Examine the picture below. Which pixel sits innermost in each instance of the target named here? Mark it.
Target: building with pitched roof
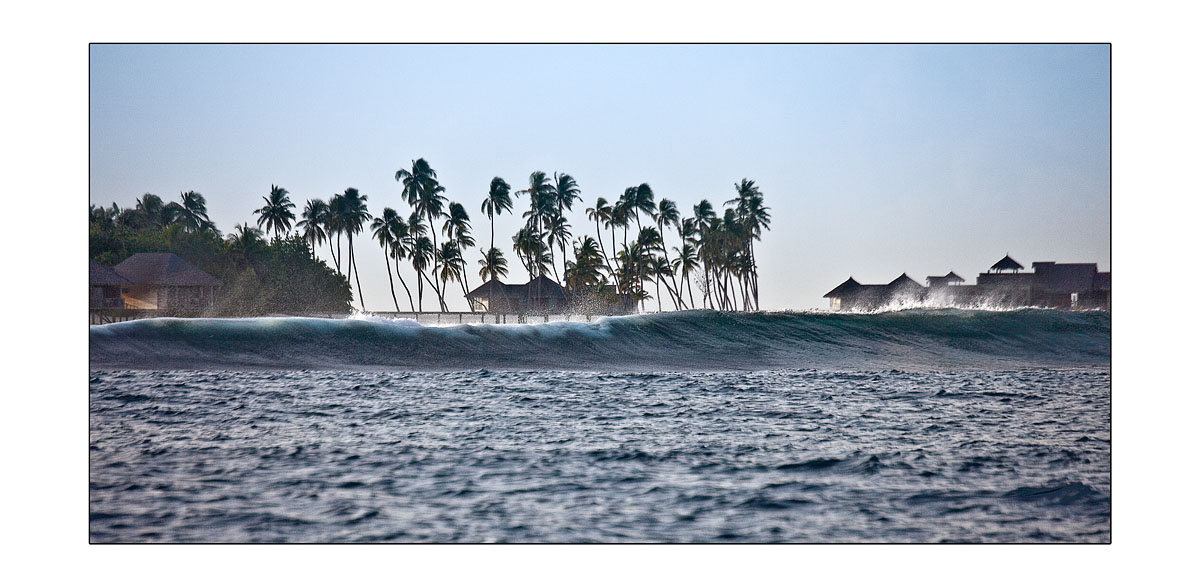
(105, 287)
(1049, 285)
(167, 283)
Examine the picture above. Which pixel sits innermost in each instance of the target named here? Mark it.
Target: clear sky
(874, 159)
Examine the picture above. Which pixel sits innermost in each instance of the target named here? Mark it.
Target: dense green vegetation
(716, 251)
(260, 277)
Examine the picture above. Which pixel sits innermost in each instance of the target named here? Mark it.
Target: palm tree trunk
(420, 292)
(354, 266)
(406, 290)
(338, 260)
(433, 233)
(391, 284)
(691, 300)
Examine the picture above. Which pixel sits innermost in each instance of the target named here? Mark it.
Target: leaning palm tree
(353, 215)
(312, 224)
(381, 228)
(276, 214)
(497, 201)
(335, 225)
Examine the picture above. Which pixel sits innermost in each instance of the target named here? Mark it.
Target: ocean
(911, 426)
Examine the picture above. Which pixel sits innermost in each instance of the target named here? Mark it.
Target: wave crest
(678, 340)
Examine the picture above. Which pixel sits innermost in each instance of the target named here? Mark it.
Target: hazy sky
(874, 159)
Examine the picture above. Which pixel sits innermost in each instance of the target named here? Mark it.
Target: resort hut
(948, 279)
(492, 296)
(839, 295)
(165, 282)
(105, 287)
(1006, 264)
(543, 294)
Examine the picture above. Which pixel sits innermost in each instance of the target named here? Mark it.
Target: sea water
(912, 426)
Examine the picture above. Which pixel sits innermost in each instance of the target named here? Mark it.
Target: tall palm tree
(705, 217)
(754, 218)
(566, 193)
(542, 201)
(402, 242)
(452, 265)
(424, 194)
(497, 201)
(558, 230)
(458, 228)
(381, 228)
(312, 224)
(602, 212)
(335, 225)
(353, 215)
(666, 214)
(421, 254)
(643, 201)
(686, 263)
(276, 214)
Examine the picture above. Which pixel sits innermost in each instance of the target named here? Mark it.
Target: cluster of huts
(1051, 285)
(161, 282)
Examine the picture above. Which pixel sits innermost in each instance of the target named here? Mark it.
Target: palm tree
(335, 224)
(542, 201)
(452, 265)
(705, 217)
(566, 193)
(354, 214)
(686, 263)
(276, 214)
(402, 242)
(151, 212)
(244, 241)
(381, 228)
(193, 212)
(584, 273)
(557, 229)
(492, 264)
(642, 201)
(666, 214)
(421, 254)
(602, 212)
(753, 218)
(458, 228)
(312, 224)
(496, 202)
(424, 194)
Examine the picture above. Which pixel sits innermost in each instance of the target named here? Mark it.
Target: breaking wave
(693, 340)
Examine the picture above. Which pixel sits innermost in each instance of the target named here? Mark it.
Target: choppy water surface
(775, 454)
